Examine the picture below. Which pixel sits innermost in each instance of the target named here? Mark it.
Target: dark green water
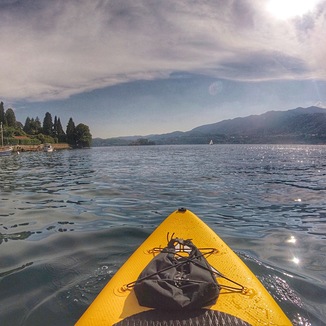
(68, 220)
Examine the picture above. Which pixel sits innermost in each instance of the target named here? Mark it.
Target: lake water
(69, 219)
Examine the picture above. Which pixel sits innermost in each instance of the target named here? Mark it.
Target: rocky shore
(39, 148)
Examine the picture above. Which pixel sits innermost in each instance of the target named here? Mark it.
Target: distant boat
(4, 150)
(48, 148)
(211, 142)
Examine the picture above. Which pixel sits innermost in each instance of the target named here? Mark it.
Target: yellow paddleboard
(253, 304)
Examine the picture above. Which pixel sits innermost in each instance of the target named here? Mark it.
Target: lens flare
(286, 9)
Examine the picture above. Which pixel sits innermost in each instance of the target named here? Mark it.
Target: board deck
(254, 305)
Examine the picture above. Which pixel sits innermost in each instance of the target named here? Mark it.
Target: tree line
(50, 131)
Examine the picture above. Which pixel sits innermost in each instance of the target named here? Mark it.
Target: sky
(140, 67)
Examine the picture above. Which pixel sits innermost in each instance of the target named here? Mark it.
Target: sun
(286, 9)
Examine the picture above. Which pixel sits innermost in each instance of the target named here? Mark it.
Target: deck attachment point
(121, 291)
(182, 209)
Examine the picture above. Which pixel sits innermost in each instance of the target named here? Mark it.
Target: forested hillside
(297, 126)
(33, 132)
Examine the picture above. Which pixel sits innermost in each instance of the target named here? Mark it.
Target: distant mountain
(297, 126)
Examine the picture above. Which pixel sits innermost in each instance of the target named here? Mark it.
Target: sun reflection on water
(292, 239)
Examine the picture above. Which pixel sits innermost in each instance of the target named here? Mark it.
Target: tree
(48, 124)
(141, 142)
(58, 130)
(59, 127)
(32, 126)
(2, 114)
(83, 136)
(37, 125)
(61, 134)
(49, 131)
(19, 129)
(27, 126)
(70, 132)
(55, 124)
(10, 118)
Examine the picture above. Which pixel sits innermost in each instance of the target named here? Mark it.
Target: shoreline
(39, 148)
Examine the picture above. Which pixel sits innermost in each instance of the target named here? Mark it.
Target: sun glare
(292, 239)
(285, 9)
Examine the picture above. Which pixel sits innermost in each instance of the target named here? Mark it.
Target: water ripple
(69, 220)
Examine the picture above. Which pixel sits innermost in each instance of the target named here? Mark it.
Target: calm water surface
(69, 219)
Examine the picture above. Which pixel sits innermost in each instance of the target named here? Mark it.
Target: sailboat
(211, 142)
(48, 148)
(4, 150)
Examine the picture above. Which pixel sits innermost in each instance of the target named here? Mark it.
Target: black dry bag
(174, 281)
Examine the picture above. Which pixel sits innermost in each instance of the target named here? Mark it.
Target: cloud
(55, 49)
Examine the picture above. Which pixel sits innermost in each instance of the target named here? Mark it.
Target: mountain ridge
(300, 125)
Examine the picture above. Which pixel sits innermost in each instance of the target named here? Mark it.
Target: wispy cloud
(54, 49)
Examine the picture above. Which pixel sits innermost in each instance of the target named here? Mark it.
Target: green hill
(297, 126)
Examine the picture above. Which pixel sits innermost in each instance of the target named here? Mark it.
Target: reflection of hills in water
(15, 236)
(23, 235)
(15, 269)
(26, 234)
